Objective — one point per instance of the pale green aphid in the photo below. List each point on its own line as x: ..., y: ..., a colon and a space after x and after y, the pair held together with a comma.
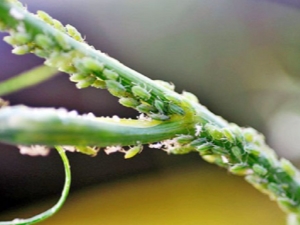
x: 198, y: 142
x: 88, y: 64
x: 110, y: 75
x: 159, y: 105
x: 274, y: 188
x: 218, y: 150
x: 99, y: 83
x: 175, y: 109
x: 159, y: 116
x: 228, y: 134
x: 215, y: 132
x: 288, y: 167
x: 165, y: 84
x: 239, y: 169
x: 145, y: 108
x: 184, y: 139
x: 205, y: 149
x: 86, y: 82
x: 73, y: 32
x: 259, y: 170
x: 58, y: 25
x: 129, y: 102
x: 22, y: 38
x: 62, y: 41
x: 21, y: 50
x: 133, y: 151
x: 45, y: 17
x: 76, y: 77
x: 252, y: 150
x: 237, y: 152
x: 190, y: 96
x: 10, y: 40
x: 43, y: 41
x: 140, y: 92
x: 115, y: 88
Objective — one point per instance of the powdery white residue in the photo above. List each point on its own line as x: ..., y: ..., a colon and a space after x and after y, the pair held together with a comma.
x: 156, y: 145
x: 112, y: 149
x: 198, y: 130
x: 34, y: 150
x: 116, y: 118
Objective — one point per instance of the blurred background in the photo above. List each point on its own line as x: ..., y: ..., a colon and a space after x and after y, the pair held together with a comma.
x: 240, y: 57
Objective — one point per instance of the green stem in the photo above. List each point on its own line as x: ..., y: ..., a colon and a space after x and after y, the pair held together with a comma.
x: 58, y: 205
x: 27, y: 79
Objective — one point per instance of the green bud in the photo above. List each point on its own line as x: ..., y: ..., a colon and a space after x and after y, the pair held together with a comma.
x: 129, y: 102
x: 133, y: 151
x: 140, y: 92
x: 259, y: 170
x: 252, y: 151
x: 115, y: 88
x: 219, y: 150
x: 175, y: 109
x: 198, y: 142
x: 110, y: 75
x: 210, y: 158
x: 190, y: 96
x: 40, y: 53
x: 174, y: 98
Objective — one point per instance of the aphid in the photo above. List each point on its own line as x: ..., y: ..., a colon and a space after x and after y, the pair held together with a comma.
x: 62, y: 41
x: 165, y: 84
x: 110, y: 75
x: 173, y: 98
x: 240, y: 169
x: 115, y: 88
x: 288, y: 167
x: 198, y: 142
x: 159, y: 105
x: 86, y: 82
x: 214, y: 131
x: 88, y: 65
x: 175, y: 109
x: 204, y: 149
x: 145, y: 108
x: 22, y: 38
x: 161, y: 117
x: 43, y: 41
x: 133, y: 151
x: 76, y: 77
x: 228, y: 134
x: 21, y: 50
x: 129, y: 102
x: 99, y: 84
x: 10, y: 40
x: 140, y: 92
x: 184, y: 139
x: 259, y: 170
x: 45, y: 17
x: 74, y: 33
x: 190, y: 96
x: 275, y: 188
x: 58, y: 25
x: 237, y: 152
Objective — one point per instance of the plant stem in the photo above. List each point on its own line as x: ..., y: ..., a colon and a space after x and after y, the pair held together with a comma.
x: 58, y: 205
x: 27, y: 79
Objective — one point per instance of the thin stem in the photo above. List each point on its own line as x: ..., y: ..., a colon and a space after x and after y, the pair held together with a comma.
x: 58, y: 205
x: 27, y: 79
